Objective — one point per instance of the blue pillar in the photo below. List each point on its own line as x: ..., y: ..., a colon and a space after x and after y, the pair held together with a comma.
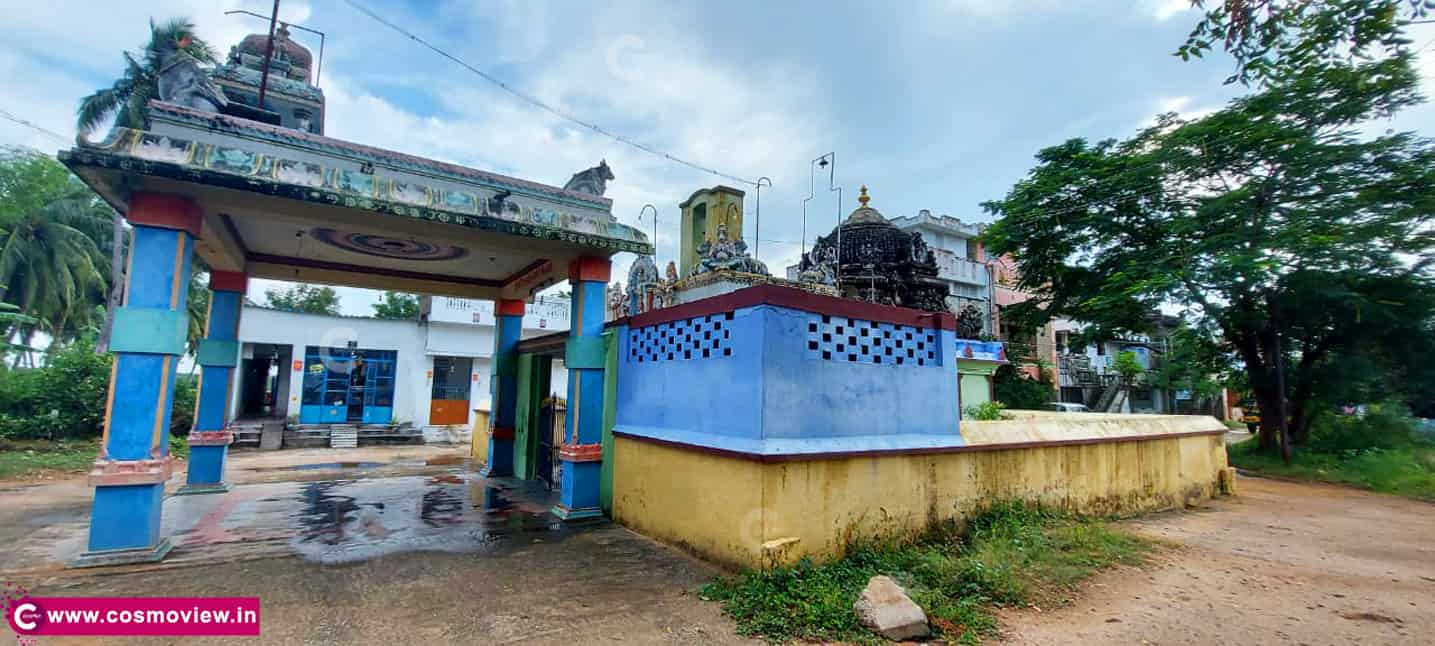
x: 147, y: 340
x: 581, y: 455
x: 503, y: 388
x: 217, y: 357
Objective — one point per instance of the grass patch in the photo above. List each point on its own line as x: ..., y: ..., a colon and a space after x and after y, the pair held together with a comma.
x: 1408, y: 471
x: 1014, y: 554
x: 33, y: 458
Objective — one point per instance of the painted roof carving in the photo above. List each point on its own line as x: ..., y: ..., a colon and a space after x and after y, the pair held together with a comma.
x: 278, y: 84
x: 359, y: 177
x: 225, y: 124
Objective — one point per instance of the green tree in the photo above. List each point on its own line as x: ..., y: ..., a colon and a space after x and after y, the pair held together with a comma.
x: 1194, y: 362
x: 128, y: 100
x: 397, y: 306
x: 198, y: 309
x: 306, y: 299
x: 1016, y: 389
x: 1127, y: 366
x: 1273, y: 39
x: 53, y: 235
x: 128, y: 97
x: 10, y: 318
x: 1237, y: 216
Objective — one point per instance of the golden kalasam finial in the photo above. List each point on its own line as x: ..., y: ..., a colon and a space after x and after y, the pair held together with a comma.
x: 863, y: 197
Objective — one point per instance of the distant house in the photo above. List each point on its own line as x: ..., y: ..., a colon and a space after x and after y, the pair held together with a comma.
x: 429, y: 372
x: 1086, y: 373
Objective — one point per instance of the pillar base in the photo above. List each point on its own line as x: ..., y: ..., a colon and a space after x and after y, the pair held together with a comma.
x: 500, y: 455
x: 578, y: 497
x: 488, y: 471
x: 195, y: 489
x: 205, y: 473
x: 564, y: 513
x: 104, y: 558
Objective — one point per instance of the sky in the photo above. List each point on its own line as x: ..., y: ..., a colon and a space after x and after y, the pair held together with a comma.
x: 937, y: 106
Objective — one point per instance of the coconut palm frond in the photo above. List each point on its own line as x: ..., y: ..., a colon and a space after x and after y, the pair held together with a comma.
x: 172, y: 31
x: 95, y: 108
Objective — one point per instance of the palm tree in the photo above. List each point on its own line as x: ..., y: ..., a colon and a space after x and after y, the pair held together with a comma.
x: 128, y: 99
x: 129, y: 96
x: 52, y: 263
x: 198, y: 306
x: 10, y: 316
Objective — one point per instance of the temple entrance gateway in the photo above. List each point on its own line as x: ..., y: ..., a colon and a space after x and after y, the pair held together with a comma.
x: 250, y: 199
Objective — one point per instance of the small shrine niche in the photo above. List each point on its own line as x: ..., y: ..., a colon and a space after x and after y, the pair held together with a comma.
x: 705, y: 212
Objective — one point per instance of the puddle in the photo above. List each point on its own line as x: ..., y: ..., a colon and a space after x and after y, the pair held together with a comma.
x: 325, y: 466
x: 347, y: 521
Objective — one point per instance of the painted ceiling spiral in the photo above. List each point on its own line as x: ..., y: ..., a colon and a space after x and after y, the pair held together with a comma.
x: 386, y: 247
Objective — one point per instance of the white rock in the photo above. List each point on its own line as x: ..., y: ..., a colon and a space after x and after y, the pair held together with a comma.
x: 885, y: 608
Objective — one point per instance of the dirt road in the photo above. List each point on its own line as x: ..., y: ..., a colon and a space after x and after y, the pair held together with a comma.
x: 1281, y: 563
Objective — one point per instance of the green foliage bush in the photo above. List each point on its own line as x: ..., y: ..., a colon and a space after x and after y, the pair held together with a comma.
x: 989, y: 411
x: 1018, y: 390
x: 66, y: 398
x: 1014, y: 553
x: 182, y: 417
x: 63, y: 400
x: 1128, y: 366
x: 1383, y: 426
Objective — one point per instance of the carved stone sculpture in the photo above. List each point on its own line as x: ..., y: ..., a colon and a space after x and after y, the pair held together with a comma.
x: 183, y: 82
x: 727, y: 254
x: 593, y: 181
x: 969, y: 323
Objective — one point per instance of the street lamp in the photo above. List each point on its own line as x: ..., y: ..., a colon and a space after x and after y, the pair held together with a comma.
x: 655, y: 226
x: 828, y: 162
x: 757, y: 227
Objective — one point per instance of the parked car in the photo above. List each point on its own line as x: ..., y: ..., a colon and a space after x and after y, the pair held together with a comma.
x: 1067, y: 407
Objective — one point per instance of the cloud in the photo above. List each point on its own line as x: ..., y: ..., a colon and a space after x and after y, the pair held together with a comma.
x: 657, y: 86
x: 1163, y: 10
x: 990, y: 9
x: 1181, y: 105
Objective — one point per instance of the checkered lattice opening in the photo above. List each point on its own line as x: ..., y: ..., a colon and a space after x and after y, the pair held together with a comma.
x: 838, y: 338
x: 703, y: 337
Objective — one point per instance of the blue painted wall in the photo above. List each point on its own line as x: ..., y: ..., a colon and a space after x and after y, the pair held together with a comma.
x: 786, y: 388
x: 807, y: 396
x: 717, y: 397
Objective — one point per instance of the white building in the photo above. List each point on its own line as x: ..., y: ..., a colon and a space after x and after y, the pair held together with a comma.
x: 961, y: 261
x: 314, y: 369
x: 1087, y: 374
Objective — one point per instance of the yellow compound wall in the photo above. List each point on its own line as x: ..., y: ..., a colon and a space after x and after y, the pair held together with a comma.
x: 746, y: 512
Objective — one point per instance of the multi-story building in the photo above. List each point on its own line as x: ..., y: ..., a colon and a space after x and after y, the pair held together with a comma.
x: 1087, y: 374
x: 961, y: 262
x: 1032, y: 350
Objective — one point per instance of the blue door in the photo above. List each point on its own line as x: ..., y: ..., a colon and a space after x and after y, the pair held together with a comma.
x: 379, y: 386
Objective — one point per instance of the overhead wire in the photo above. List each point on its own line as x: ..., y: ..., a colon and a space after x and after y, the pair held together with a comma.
x: 542, y: 105
x: 5, y: 114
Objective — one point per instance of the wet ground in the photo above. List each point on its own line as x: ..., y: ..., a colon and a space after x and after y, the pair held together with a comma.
x: 327, y: 512
x: 384, y: 546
